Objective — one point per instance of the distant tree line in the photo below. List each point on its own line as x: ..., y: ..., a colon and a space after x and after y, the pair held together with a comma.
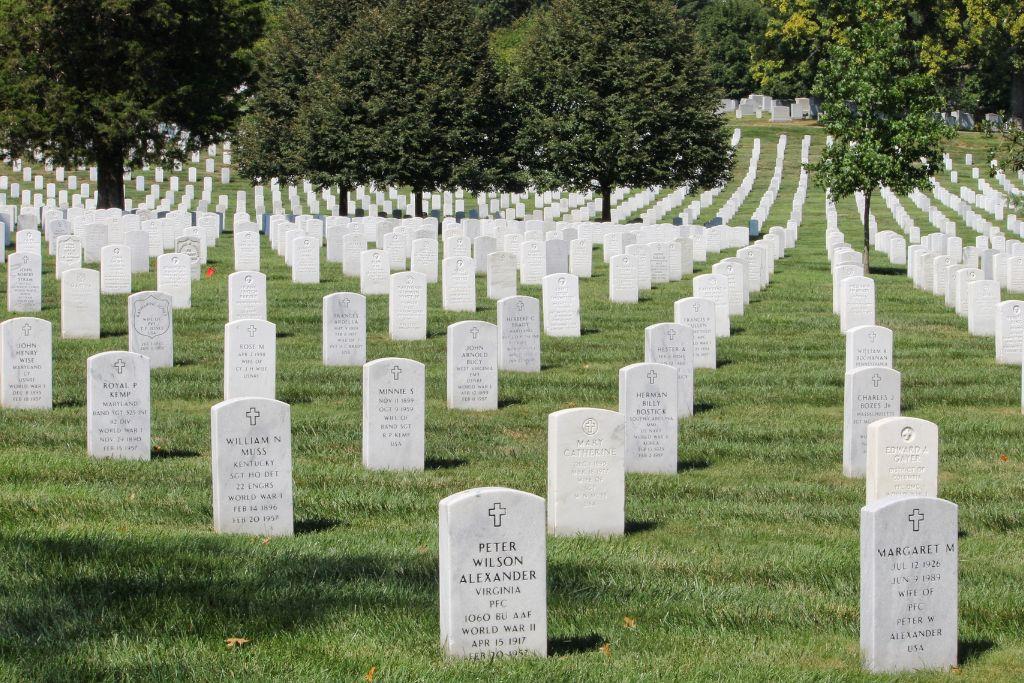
x: 600, y: 94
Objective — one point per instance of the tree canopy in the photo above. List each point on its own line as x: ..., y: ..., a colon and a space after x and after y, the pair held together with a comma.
x: 617, y: 92
x: 880, y: 107
x: 412, y: 98
x: 112, y: 82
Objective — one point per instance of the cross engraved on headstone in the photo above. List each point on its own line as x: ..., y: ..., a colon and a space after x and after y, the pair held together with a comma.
x: 119, y: 366
x: 253, y: 415
x: 396, y: 372
x: 875, y: 379
x: 475, y: 331
x: 497, y: 512
x: 872, y: 336
x: 252, y: 330
x: 671, y: 334
x: 915, y: 518
x: 26, y: 329
x: 345, y: 302
x: 520, y: 306
x: 652, y: 376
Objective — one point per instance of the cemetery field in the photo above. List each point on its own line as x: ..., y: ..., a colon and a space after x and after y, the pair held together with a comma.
x: 743, y: 566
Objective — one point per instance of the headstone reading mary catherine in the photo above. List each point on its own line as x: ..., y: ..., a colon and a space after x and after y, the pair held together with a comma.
x: 252, y: 467
x: 492, y: 567
x: 586, y: 472
x: 909, y: 584
x: 393, y: 414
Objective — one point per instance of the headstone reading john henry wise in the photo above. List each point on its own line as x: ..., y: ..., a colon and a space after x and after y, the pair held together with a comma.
x: 908, y: 584
x: 493, y: 574
x: 252, y: 467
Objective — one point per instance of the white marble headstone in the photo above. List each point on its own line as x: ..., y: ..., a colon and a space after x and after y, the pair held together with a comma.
x: 472, y: 365
x: 26, y: 364
x: 393, y: 414
x: 151, y: 327
x: 250, y: 359
x: 586, y: 472
x: 118, y: 406
x: 493, y: 574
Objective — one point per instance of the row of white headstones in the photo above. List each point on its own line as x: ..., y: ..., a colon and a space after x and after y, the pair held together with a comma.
x: 642, y: 436
x: 909, y: 536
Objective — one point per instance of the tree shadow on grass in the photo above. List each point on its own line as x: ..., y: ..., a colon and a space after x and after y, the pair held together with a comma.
x: 508, y: 402
x: 688, y: 465
x: 702, y: 407
x: 91, y: 589
x: 443, y: 463
x: 638, y: 526
x: 887, y: 270
x: 586, y: 331
x: 722, y: 362
x: 969, y: 650
x: 315, y: 525
x: 160, y: 454
x: 571, y: 645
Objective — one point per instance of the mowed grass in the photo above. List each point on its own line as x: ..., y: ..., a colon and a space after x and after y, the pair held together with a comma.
x: 743, y: 566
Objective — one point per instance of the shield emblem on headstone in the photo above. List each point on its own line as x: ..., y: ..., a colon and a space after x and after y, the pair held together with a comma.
x: 151, y: 316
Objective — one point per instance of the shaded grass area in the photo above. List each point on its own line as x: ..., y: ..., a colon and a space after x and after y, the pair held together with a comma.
x: 743, y: 566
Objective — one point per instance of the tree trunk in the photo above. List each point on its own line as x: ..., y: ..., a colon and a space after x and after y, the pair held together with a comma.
x: 1017, y: 95
x: 110, y: 180
x: 606, y: 203
x: 343, y: 201
x: 420, y: 213
x: 867, y: 233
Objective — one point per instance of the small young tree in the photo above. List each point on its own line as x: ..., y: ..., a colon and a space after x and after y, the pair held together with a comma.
x: 411, y: 98
x: 614, y: 93
x: 881, y: 109
x: 112, y: 82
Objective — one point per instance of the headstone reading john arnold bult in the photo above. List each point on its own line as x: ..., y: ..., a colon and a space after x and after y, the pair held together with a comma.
x: 586, y: 472
x: 493, y: 574
x: 118, y: 406
x: 252, y: 467
x: 393, y: 414
x: 151, y: 327
x: 26, y: 363
x: 472, y: 366
x: 908, y: 584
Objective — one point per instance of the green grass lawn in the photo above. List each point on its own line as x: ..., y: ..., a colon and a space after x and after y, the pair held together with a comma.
x: 744, y: 566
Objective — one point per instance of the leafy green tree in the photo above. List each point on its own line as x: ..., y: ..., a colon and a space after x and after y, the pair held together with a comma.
x: 300, y: 37
x: 730, y: 30
x: 412, y: 99
x: 112, y: 82
x: 996, y: 29
x: 799, y: 32
x: 614, y: 93
x: 880, y: 108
